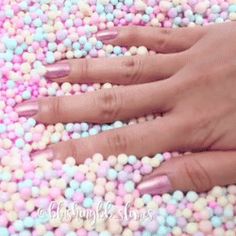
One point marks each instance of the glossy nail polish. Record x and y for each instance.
(106, 35)
(155, 185)
(48, 154)
(27, 109)
(57, 70)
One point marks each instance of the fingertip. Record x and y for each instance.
(106, 35)
(155, 185)
(58, 70)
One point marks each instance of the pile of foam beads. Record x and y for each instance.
(36, 196)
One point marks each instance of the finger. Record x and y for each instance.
(198, 172)
(141, 139)
(164, 40)
(120, 70)
(103, 106)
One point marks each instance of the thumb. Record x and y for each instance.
(198, 172)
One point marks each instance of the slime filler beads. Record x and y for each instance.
(36, 196)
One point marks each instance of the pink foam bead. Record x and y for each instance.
(157, 199)
(3, 220)
(167, 155)
(11, 229)
(81, 232)
(171, 209)
(213, 204)
(55, 192)
(58, 232)
(81, 31)
(102, 172)
(197, 216)
(11, 135)
(25, 193)
(78, 197)
(137, 165)
(79, 176)
(136, 193)
(119, 201)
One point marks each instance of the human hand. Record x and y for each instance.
(191, 82)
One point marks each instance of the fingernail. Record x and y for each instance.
(106, 35)
(48, 154)
(57, 70)
(27, 109)
(156, 185)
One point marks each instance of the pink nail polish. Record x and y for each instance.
(106, 35)
(48, 154)
(27, 109)
(57, 70)
(156, 185)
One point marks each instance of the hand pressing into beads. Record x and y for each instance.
(190, 82)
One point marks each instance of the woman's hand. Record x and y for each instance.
(191, 82)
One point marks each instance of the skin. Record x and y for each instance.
(191, 82)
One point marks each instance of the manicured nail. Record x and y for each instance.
(57, 70)
(156, 185)
(27, 109)
(48, 154)
(106, 35)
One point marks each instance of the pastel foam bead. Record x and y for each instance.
(26, 95)
(4, 231)
(129, 186)
(87, 187)
(10, 44)
(112, 174)
(2, 128)
(192, 196)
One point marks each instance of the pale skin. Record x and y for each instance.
(191, 81)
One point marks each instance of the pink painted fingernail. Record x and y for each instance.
(48, 154)
(57, 70)
(27, 109)
(156, 185)
(106, 35)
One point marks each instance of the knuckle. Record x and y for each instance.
(56, 106)
(110, 103)
(132, 33)
(117, 142)
(162, 39)
(198, 176)
(72, 148)
(133, 67)
(201, 131)
(84, 69)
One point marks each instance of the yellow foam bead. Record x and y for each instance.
(223, 201)
(59, 127)
(100, 225)
(138, 203)
(127, 232)
(88, 225)
(187, 213)
(44, 191)
(192, 228)
(55, 222)
(200, 204)
(232, 16)
(177, 231)
(152, 205)
(7, 143)
(30, 205)
(8, 206)
(40, 229)
(77, 223)
(12, 216)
